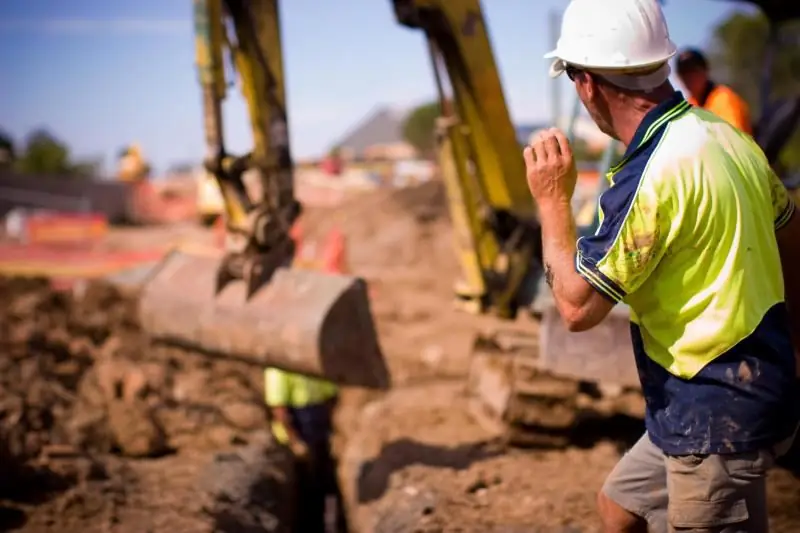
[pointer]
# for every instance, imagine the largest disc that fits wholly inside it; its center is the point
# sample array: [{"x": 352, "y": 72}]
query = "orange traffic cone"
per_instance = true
[
  {"x": 219, "y": 231},
  {"x": 334, "y": 257},
  {"x": 296, "y": 233}
]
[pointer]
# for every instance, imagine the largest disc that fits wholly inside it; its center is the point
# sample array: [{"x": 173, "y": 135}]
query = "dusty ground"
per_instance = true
[
  {"x": 105, "y": 433},
  {"x": 101, "y": 432},
  {"x": 431, "y": 469}
]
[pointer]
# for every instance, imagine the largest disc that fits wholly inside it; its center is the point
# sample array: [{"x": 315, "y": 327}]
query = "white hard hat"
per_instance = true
[{"x": 612, "y": 34}]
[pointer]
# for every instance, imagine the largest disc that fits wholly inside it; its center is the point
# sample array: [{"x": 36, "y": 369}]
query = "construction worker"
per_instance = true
[
  {"x": 301, "y": 411},
  {"x": 694, "y": 232},
  {"x": 721, "y": 100}
]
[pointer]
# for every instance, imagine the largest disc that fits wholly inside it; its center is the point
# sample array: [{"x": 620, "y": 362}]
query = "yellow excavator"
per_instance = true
[{"x": 250, "y": 304}]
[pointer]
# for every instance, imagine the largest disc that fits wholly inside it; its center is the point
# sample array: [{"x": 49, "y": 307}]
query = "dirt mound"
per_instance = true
[
  {"x": 86, "y": 404},
  {"x": 78, "y": 372},
  {"x": 401, "y": 241},
  {"x": 391, "y": 230}
]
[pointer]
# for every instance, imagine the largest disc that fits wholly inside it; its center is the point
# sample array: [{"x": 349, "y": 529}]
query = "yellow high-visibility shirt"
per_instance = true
[
  {"x": 294, "y": 391},
  {"x": 687, "y": 241}
]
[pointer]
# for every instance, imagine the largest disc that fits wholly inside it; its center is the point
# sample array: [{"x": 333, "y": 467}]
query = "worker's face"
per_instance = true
[
  {"x": 593, "y": 100},
  {"x": 695, "y": 81}
]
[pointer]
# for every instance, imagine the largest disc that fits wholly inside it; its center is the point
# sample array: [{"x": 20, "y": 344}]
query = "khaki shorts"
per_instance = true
[{"x": 708, "y": 493}]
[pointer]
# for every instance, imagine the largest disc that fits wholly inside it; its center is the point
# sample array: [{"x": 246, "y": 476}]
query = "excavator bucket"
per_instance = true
[{"x": 302, "y": 321}]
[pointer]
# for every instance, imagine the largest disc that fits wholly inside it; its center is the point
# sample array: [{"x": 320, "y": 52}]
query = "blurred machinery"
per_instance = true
[
  {"x": 132, "y": 165},
  {"x": 210, "y": 205},
  {"x": 251, "y": 305}
]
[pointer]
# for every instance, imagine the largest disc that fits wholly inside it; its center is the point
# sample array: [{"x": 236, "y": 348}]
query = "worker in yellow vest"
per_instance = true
[{"x": 301, "y": 410}]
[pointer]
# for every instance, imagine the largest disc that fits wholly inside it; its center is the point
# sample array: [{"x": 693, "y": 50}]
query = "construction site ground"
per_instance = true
[{"x": 101, "y": 431}]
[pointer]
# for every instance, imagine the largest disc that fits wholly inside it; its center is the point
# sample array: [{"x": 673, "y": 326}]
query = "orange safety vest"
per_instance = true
[{"x": 727, "y": 105}]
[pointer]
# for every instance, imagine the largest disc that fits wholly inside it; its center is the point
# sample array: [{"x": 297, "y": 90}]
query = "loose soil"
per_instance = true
[{"x": 100, "y": 431}]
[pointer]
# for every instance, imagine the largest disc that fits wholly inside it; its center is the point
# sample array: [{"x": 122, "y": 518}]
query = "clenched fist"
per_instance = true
[{"x": 550, "y": 167}]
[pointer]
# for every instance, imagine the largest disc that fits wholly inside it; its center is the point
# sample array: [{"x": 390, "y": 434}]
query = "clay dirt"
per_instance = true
[{"x": 102, "y": 431}]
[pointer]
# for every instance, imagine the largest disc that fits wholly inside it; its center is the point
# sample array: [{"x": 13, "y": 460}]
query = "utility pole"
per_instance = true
[{"x": 554, "y": 20}]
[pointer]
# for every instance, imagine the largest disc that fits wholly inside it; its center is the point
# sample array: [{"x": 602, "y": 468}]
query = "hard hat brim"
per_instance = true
[{"x": 557, "y": 68}]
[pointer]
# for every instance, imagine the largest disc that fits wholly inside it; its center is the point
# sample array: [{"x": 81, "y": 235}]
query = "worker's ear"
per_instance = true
[
  {"x": 586, "y": 86},
  {"x": 586, "y": 83}
]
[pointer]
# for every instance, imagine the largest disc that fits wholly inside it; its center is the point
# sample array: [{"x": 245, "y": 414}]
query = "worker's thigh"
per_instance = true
[
  {"x": 710, "y": 494},
  {"x": 638, "y": 484},
  {"x": 718, "y": 493}
]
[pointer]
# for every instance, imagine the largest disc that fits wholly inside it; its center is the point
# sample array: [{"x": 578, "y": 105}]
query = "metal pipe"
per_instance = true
[{"x": 555, "y": 85}]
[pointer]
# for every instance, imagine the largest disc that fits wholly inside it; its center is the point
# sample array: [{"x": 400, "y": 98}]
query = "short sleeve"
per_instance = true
[
  {"x": 782, "y": 205},
  {"x": 276, "y": 388},
  {"x": 629, "y": 243}
]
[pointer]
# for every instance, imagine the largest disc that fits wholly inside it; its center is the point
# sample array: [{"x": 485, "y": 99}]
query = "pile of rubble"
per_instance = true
[{"x": 88, "y": 408}]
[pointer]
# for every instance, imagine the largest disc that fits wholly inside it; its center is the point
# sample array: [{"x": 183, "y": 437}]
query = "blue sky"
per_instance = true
[{"x": 103, "y": 73}]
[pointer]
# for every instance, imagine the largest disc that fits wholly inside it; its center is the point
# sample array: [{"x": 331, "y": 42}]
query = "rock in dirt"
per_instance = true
[
  {"x": 101, "y": 430},
  {"x": 135, "y": 430}
]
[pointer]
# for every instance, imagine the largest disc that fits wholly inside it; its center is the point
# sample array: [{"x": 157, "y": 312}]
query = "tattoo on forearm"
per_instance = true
[{"x": 548, "y": 275}]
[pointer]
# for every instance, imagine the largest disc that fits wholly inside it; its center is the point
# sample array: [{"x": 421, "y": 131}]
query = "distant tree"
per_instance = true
[
  {"x": 737, "y": 56},
  {"x": 6, "y": 150},
  {"x": 44, "y": 153},
  {"x": 335, "y": 152},
  {"x": 88, "y": 168},
  {"x": 419, "y": 128}
]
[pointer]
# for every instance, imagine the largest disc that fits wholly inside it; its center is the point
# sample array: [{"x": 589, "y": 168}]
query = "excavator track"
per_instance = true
[{"x": 511, "y": 395}]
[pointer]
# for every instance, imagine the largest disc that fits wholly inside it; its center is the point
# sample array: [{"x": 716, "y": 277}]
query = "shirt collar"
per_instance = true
[{"x": 655, "y": 119}]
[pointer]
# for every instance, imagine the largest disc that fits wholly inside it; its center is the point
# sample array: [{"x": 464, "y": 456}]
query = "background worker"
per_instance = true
[
  {"x": 697, "y": 237},
  {"x": 693, "y": 71},
  {"x": 301, "y": 411}
]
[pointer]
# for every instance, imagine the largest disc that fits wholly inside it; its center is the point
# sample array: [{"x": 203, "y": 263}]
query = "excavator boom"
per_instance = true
[
  {"x": 494, "y": 218},
  {"x": 525, "y": 385},
  {"x": 249, "y": 303}
]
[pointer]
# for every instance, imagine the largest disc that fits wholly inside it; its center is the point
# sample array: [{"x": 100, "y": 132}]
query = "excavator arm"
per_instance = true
[
  {"x": 250, "y": 303},
  {"x": 258, "y": 230},
  {"x": 525, "y": 385},
  {"x": 494, "y": 217}
]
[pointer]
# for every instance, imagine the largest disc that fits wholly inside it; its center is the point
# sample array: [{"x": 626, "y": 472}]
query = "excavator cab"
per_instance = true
[{"x": 249, "y": 302}]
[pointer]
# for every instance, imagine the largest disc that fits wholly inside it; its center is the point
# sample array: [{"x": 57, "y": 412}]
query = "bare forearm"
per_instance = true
[
  {"x": 281, "y": 415},
  {"x": 572, "y": 294},
  {"x": 558, "y": 247},
  {"x": 551, "y": 173}
]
